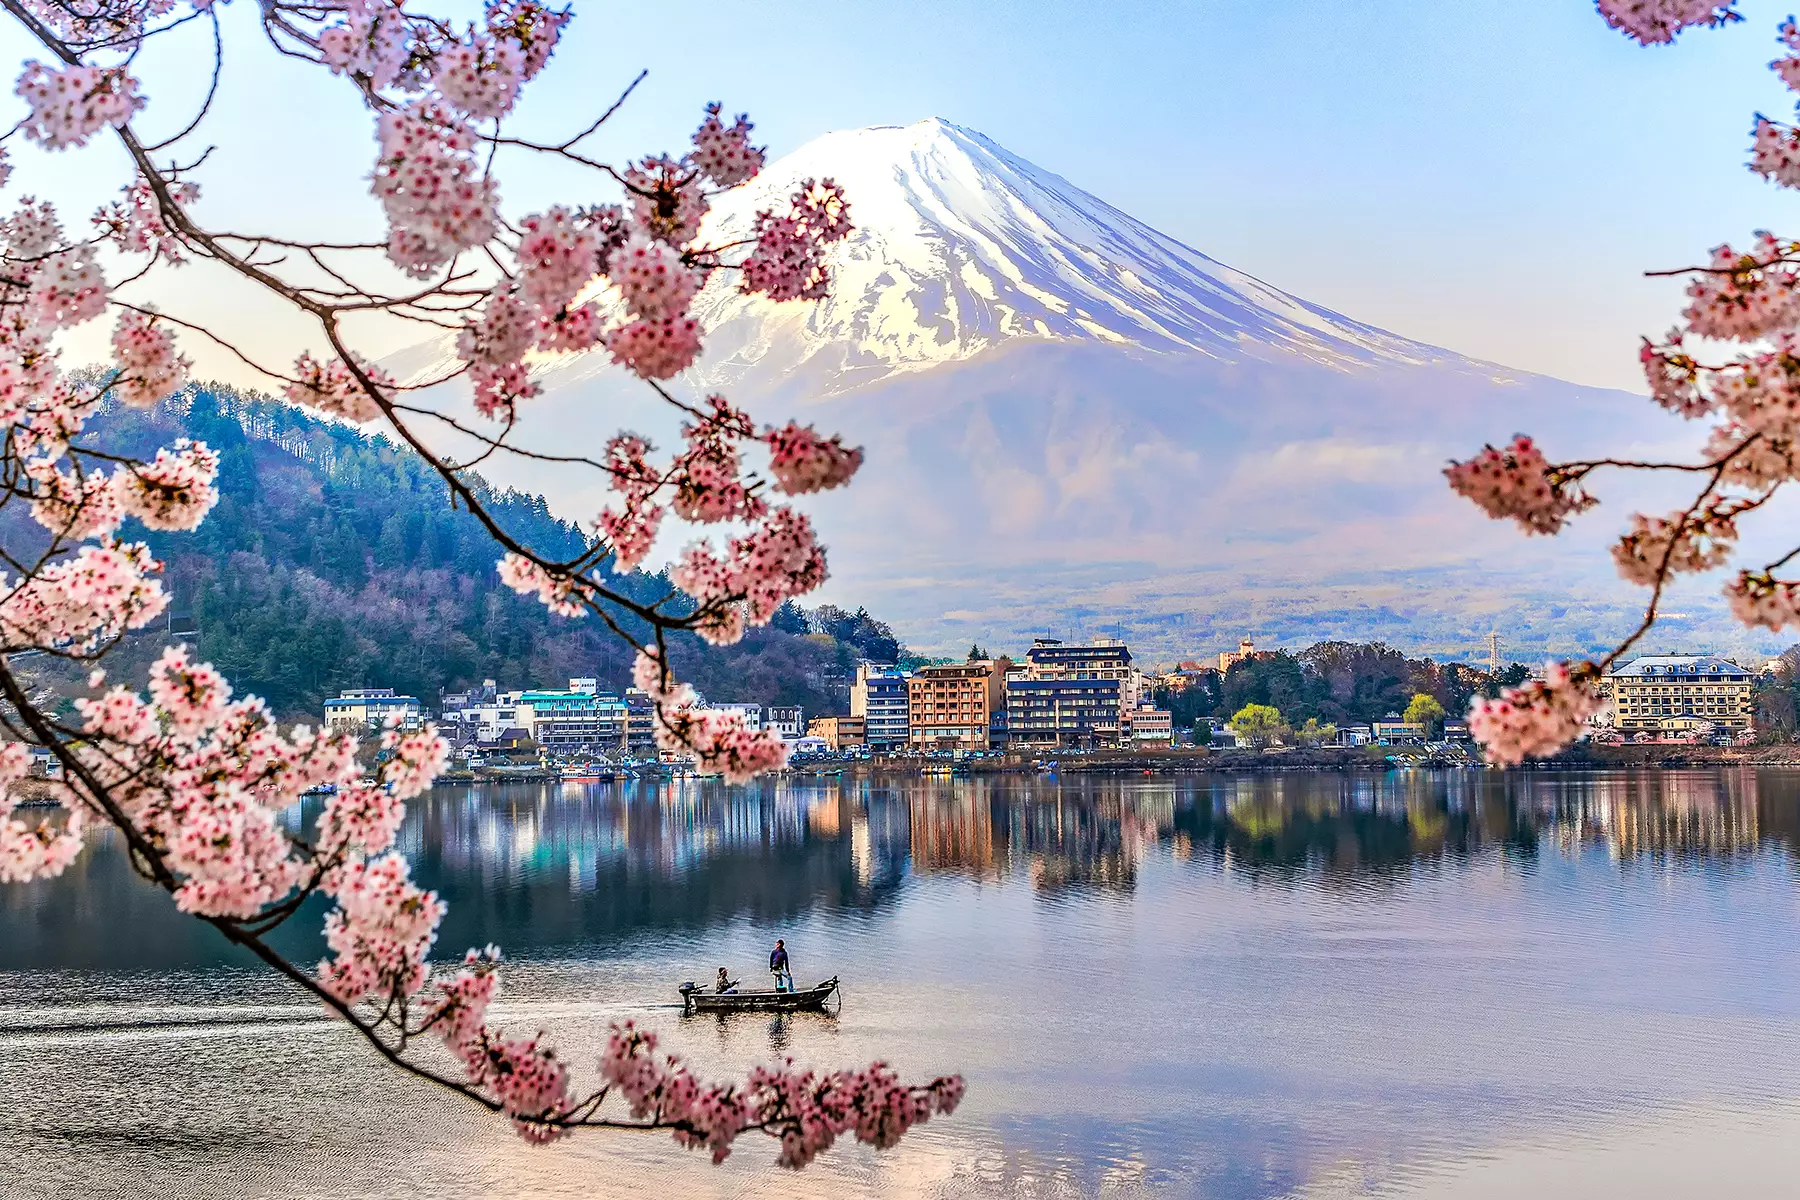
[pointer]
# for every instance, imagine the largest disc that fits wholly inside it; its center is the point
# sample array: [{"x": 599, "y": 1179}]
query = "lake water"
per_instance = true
[{"x": 1537, "y": 985}]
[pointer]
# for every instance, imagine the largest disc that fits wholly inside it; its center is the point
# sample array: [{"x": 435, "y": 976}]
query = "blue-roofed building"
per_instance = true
[{"x": 1680, "y": 694}]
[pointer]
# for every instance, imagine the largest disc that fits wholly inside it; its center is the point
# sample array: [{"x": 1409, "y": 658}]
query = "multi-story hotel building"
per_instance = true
[
  {"x": 1072, "y": 696},
  {"x": 880, "y": 697},
  {"x": 1676, "y": 693},
  {"x": 363, "y": 709},
  {"x": 951, "y": 706}
]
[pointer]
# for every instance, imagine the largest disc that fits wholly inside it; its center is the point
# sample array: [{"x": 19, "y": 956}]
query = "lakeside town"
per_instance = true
[{"x": 1073, "y": 698}]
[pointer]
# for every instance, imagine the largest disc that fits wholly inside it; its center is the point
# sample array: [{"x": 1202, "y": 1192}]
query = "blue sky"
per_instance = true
[{"x": 1490, "y": 175}]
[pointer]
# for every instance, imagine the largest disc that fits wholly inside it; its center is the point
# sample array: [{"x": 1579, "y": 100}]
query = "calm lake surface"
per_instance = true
[{"x": 1469, "y": 985}]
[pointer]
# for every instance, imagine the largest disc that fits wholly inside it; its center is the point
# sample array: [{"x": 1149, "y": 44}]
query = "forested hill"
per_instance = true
[{"x": 334, "y": 559}]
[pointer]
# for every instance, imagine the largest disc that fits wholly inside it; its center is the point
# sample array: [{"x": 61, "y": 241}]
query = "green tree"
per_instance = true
[
  {"x": 1258, "y": 724},
  {"x": 1425, "y": 710},
  {"x": 1313, "y": 732}
]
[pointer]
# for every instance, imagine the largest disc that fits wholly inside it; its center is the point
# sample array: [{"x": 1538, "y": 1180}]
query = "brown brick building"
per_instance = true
[{"x": 951, "y": 707}]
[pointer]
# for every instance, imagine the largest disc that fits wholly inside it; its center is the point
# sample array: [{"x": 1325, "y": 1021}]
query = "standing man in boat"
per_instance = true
[{"x": 778, "y": 967}]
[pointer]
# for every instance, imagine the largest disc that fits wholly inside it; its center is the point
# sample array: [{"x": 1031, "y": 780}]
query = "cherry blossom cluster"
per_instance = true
[
  {"x": 775, "y": 560},
  {"x": 1759, "y": 599},
  {"x": 331, "y": 387},
  {"x": 71, "y": 104},
  {"x": 173, "y": 491},
  {"x": 562, "y": 594},
  {"x": 1682, "y": 543},
  {"x": 718, "y": 741},
  {"x": 150, "y": 367},
  {"x": 118, "y": 23},
  {"x": 44, "y": 848},
  {"x": 136, "y": 224},
  {"x": 83, "y": 601},
  {"x": 1658, "y": 21},
  {"x": 1519, "y": 482},
  {"x": 1539, "y": 718},
  {"x": 429, "y": 182},
  {"x": 807, "y": 1112},
  {"x": 722, "y": 152},
  {"x": 801, "y": 461},
  {"x": 788, "y": 262}
]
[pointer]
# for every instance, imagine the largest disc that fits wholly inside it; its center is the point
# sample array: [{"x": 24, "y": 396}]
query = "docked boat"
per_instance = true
[{"x": 695, "y": 998}]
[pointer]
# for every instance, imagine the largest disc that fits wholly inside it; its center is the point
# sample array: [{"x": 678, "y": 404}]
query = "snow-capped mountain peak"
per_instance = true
[{"x": 960, "y": 245}]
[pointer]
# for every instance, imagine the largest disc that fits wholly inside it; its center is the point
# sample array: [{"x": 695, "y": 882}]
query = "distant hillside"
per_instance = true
[{"x": 334, "y": 559}]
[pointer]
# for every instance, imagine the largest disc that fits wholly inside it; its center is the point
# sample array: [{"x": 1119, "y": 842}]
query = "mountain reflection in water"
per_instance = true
[{"x": 1245, "y": 987}]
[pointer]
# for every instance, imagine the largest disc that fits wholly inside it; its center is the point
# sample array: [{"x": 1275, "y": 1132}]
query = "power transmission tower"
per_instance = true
[{"x": 1493, "y": 649}]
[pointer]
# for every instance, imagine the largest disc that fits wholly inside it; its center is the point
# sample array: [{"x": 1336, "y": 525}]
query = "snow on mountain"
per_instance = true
[
  {"x": 1075, "y": 422},
  {"x": 961, "y": 246}
]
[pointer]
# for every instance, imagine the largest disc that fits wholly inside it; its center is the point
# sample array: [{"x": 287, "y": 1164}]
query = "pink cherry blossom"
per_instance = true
[
  {"x": 558, "y": 255},
  {"x": 560, "y": 594},
  {"x": 71, "y": 104},
  {"x": 1762, "y": 391},
  {"x": 1674, "y": 377},
  {"x": 1775, "y": 152},
  {"x": 174, "y": 491},
  {"x": 788, "y": 261},
  {"x": 532, "y": 26},
  {"x": 359, "y": 817},
  {"x": 723, "y": 153},
  {"x": 667, "y": 203},
  {"x": 44, "y": 848},
  {"x": 1788, "y": 65},
  {"x": 654, "y": 282},
  {"x": 418, "y": 759},
  {"x": 149, "y": 366},
  {"x": 630, "y": 533},
  {"x": 1758, "y": 599},
  {"x": 331, "y": 387},
  {"x": 571, "y": 330},
  {"x": 75, "y": 507},
  {"x": 1745, "y": 295},
  {"x": 68, "y": 288},
  {"x": 84, "y": 600},
  {"x": 33, "y": 231},
  {"x": 481, "y": 76},
  {"x": 1518, "y": 482},
  {"x": 426, "y": 178},
  {"x": 1539, "y": 718},
  {"x": 1751, "y": 460},
  {"x": 1658, "y": 21},
  {"x": 803, "y": 462},
  {"x": 656, "y": 349},
  {"x": 136, "y": 224},
  {"x": 380, "y": 932},
  {"x": 373, "y": 41},
  {"x": 1677, "y": 544}
]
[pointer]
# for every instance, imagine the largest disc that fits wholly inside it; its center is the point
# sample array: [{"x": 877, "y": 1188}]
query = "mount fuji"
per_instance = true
[{"x": 1077, "y": 424}]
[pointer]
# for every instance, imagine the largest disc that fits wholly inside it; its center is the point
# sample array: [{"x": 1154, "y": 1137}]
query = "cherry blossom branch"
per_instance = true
[{"x": 196, "y": 781}]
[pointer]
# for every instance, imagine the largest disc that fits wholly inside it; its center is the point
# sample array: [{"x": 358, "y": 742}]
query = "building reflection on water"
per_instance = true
[{"x": 602, "y": 865}]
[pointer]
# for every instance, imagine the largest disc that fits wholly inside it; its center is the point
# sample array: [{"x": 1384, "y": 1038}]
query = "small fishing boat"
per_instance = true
[{"x": 695, "y": 998}]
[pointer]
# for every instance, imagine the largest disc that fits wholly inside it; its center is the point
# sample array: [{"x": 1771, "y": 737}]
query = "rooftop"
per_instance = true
[{"x": 1680, "y": 664}]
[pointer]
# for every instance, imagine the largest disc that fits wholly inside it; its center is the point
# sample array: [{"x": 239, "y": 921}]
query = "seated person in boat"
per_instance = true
[
  {"x": 726, "y": 985},
  {"x": 778, "y": 967}
]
